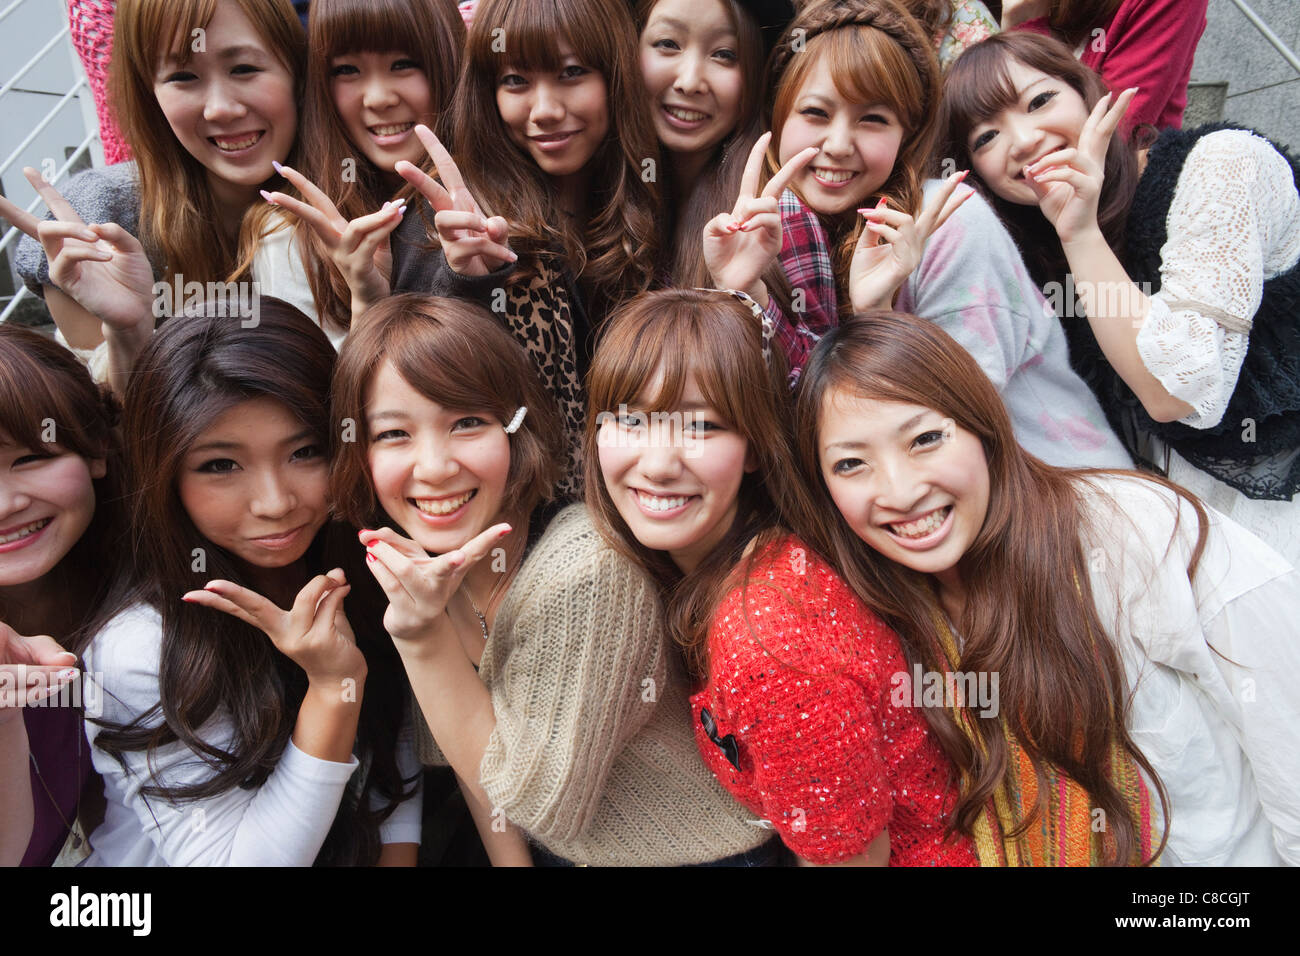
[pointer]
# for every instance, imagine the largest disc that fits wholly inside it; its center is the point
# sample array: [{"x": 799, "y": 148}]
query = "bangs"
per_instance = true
[
  {"x": 337, "y": 27},
  {"x": 34, "y": 403},
  {"x": 528, "y": 36},
  {"x": 177, "y": 19},
  {"x": 978, "y": 87},
  {"x": 449, "y": 368},
  {"x": 868, "y": 67}
]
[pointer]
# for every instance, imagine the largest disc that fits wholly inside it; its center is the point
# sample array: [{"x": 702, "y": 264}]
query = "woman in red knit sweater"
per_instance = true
[{"x": 800, "y": 712}]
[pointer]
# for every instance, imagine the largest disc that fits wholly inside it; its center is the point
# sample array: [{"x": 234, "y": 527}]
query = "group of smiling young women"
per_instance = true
[{"x": 648, "y": 603}]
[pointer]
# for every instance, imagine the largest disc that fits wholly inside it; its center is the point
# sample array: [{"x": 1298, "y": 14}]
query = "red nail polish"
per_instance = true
[{"x": 370, "y": 558}]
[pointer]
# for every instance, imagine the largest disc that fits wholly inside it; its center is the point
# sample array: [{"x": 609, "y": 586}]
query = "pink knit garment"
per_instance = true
[{"x": 91, "y": 22}]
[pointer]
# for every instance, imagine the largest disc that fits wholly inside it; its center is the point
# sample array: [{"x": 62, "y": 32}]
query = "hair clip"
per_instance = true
[
  {"x": 765, "y": 323},
  {"x": 517, "y": 420}
]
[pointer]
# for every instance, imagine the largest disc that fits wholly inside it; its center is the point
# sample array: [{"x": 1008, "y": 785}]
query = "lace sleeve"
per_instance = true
[{"x": 1233, "y": 210}]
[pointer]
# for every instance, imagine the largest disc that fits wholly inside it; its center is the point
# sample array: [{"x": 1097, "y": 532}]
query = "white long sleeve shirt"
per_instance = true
[{"x": 283, "y": 822}]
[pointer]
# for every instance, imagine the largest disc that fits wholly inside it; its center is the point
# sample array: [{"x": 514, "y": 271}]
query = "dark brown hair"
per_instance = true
[
  {"x": 877, "y": 53},
  {"x": 978, "y": 87},
  {"x": 194, "y": 370},
  {"x": 432, "y": 33},
  {"x": 679, "y": 334},
  {"x": 177, "y": 208},
  {"x": 615, "y": 253},
  {"x": 1030, "y": 615},
  {"x": 454, "y": 353},
  {"x": 42, "y": 384}
]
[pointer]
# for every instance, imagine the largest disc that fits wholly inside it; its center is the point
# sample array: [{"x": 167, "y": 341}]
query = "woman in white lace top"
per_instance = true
[{"x": 1183, "y": 258}]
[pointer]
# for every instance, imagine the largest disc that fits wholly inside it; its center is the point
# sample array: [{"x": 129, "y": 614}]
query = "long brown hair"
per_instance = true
[
  {"x": 680, "y": 334},
  {"x": 1029, "y": 615},
  {"x": 978, "y": 87},
  {"x": 42, "y": 384},
  {"x": 177, "y": 210},
  {"x": 454, "y": 353},
  {"x": 190, "y": 373},
  {"x": 431, "y": 33},
  {"x": 615, "y": 253},
  {"x": 877, "y": 53}
]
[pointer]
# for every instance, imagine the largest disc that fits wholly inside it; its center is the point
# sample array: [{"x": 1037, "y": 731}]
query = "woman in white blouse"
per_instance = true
[
  {"x": 1183, "y": 257},
  {"x": 1118, "y": 621}
]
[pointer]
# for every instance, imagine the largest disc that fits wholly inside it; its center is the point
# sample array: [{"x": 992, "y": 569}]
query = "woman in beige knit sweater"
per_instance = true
[{"x": 576, "y": 727}]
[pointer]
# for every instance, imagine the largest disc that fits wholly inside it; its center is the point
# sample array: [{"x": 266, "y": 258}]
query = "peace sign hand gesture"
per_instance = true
[
  {"x": 892, "y": 243},
  {"x": 1068, "y": 182},
  {"x": 314, "y": 633},
  {"x": 359, "y": 249},
  {"x": 473, "y": 244},
  {"x": 740, "y": 245},
  {"x": 31, "y": 669},
  {"x": 102, "y": 266},
  {"x": 419, "y": 585}
]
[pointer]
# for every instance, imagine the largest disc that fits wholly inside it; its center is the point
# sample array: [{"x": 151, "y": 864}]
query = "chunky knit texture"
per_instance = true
[
  {"x": 592, "y": 753},
  {"x": 91, "y": 26},
  {"x": 805, "y": 679}
]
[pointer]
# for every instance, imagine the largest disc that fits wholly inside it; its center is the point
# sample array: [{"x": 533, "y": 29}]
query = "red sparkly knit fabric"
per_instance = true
[{"x": 800, "y": 674}]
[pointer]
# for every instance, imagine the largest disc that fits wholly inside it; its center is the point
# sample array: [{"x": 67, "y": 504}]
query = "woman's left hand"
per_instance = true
[
  {"x": 1068, "y": 182},
  {"x": 740, "y": 245},
  {"x": 420, "y": 585}
]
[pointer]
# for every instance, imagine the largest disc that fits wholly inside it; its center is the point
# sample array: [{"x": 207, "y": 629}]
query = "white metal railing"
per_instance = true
[
  {"x": 59, "y": 40},
  {"x": 1287, "y": 53}
]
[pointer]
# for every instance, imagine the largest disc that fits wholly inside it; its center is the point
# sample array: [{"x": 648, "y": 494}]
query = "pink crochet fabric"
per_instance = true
[{"x": 92, "y": 35}]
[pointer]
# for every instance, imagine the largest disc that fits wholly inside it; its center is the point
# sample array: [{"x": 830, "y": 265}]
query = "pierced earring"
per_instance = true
[{"x": 517, "y": 420}]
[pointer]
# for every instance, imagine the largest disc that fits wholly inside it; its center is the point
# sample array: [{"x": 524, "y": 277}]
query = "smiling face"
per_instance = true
[
  {"x": 254, "y": 483},
  {"x": 231, "y": 105},
  {"x": 858, "y": 144},
  {"x": 690, "y": 61},
  {"x": 47, "y": 502},
  {"x": 674, "y": 475},
  {"x": 1048, "y": 115},
  {"x": 380, "y": 97},
  {"x": 910, "y": 483},
  {"x": 558, "y": 118},
  {"x": 440, "y": 473}
]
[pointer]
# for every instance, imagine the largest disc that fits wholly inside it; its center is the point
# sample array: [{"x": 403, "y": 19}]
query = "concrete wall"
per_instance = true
[{"x": 1263, "y": 89}]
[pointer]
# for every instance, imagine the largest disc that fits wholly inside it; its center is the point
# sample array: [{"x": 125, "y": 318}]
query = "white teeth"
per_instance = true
[
  {"x": 234, "y": 145},
  {"x": 687, "y": 116},
  {"x": 26, "y": 532},
  {"x": 919, "y": 529},
  {"x": 443, "y": 507},
  {"x": 657, "y": 503},
  {"x": 391, "y": 130},
  {"x": 834, "y": 176}
]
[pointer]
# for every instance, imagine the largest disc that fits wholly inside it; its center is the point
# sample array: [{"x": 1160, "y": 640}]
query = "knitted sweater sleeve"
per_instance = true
[
  {"x": 1232, "y": 224},
  {"x": 808, "y": 731},
  {"x": 575, "y": 668}
]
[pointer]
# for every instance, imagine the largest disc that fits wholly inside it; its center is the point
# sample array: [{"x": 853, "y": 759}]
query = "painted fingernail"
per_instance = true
[
  {"x": 402, "y": 211},
  {"x": 68, "y": 674},
  {"x": 276, "y": 166},
  {"x": 370, "y": 558},
  {"x": 961, "y": 176},
  {"x": 267, "y": 196}
]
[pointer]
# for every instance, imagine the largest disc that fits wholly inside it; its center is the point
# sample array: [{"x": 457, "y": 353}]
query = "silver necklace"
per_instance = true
[{"x": 482, "y": 621}]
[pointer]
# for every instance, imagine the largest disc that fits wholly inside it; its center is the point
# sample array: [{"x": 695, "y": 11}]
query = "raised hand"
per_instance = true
[
  {"x": 892, "y": 243},
  {"x": 740, "y": 245},
  {"x": 31, "y": 669},
  {"x": 473, "y": 244},
  {"x": 1068, "y": 182},
  {"x": 359, "y": 249},
  {"x": 419, "y": 585},
  {"x": 314, "y": 633},
  {"x": 101, "y": 266}
]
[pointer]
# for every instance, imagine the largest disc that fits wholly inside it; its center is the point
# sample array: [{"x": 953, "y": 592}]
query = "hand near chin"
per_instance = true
[
  {"x": 741, "y": 244},
  {"x": 473, "y": 244},
  {"x": 31, "y": 669},
  {"x": 1068, "y": 182},
  {"x": 101, "y": 266},
  {"x": 314, "y": 633},
  {"x": 420, "y": 585}
]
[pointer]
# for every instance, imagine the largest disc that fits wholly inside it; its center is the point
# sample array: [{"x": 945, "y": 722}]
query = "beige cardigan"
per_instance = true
[{"x": 593, "y": 752}]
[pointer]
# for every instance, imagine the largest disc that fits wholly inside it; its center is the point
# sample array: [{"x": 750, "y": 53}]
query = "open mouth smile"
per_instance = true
[{"x": 238, "y": 143}]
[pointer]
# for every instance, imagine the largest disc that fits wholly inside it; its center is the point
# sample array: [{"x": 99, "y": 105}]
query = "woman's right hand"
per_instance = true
[
  {"x": 473, "y": 244},
  {"x": 101, "y": 266},
  {"x": 31, "y": 669},
  {"x": 314, "y": 633},
  {"x": 359, "y": 249}
]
